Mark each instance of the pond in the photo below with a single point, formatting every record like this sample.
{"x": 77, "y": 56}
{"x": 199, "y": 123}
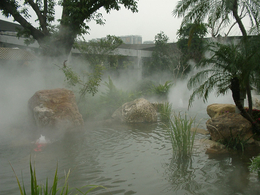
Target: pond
{"x": 126, "y": 159}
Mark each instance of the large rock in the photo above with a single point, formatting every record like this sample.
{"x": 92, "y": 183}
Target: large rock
{"x": 229, "y": 125}
{"x": 55, "y": 109}
{"x": 215, "y": 110}
{"x": 137, "y": 111}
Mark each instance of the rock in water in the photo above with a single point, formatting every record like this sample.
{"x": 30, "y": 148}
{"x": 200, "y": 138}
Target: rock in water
{"x": 215, "y": 110}
{"x": 55, "y": 109}
{"x": 229, "y": 125}
{"x": 137, "y": 111}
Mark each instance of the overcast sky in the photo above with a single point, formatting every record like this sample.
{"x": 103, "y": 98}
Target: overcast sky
{"x": 153, "y": 17}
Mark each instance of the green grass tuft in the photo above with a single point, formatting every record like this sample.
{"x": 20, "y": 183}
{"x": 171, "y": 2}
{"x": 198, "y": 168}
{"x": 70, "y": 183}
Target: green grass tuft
{"x": 182, "y": 138}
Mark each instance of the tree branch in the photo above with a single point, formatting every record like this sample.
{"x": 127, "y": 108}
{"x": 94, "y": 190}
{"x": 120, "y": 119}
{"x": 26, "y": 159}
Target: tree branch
{"x": 42, "y": 18}
{"x": 9, "y": 8}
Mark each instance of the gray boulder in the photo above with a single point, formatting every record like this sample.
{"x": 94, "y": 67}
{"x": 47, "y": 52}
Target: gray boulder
{"x": 137, "y": 111}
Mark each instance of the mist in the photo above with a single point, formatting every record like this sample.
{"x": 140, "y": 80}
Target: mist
{"x": 19, "y": 82}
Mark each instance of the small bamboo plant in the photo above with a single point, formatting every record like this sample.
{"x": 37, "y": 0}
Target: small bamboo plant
{"x": 182, "y": 138}
{"x": 37, "y": 189}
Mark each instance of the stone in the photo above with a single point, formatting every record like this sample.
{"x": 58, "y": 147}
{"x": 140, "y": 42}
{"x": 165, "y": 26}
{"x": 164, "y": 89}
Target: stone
{"x": 215, "y": 110}
{"x": 137, "y": 111}
{"x": 55, "y": 109}
{"x": 229, "y": 125}
{"x": 199, "y": 130}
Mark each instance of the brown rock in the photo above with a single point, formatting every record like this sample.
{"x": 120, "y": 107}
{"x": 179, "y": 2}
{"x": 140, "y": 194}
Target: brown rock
{"x": 215, "y": 110}
{"x": 199, "y": 130}
{"x": 55, "y": 108}
{"x": 229, "y": 125}
{"x": 137, "y": 111}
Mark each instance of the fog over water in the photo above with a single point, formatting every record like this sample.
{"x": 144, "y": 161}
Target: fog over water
{"x": 127, "y": 159}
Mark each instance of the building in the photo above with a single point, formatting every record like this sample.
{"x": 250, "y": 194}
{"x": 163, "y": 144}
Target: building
{"x": 131, "y": 39}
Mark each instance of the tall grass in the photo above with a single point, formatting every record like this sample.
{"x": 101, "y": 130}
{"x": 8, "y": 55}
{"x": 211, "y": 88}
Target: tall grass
{"x": 165, "y": 111}
{"x": 37, "y": 189}
{"x": 182, "y": 139}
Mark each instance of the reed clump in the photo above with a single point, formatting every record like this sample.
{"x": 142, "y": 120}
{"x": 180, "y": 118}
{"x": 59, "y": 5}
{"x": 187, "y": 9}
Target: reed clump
{"x": 37, "y": 189}
{"x": 182, "y": 138}
{"x": 165, "y": 111}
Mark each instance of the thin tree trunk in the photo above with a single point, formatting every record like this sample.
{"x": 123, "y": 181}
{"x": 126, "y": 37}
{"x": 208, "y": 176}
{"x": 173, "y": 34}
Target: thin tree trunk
{"x": 235, "y": 88}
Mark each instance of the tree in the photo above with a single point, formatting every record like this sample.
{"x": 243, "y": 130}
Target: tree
{"x": 229, "y": 69}
{"x": 165, "y": 57}
{"x": 190, "y": 42}
{"x": 98, "y": 51}
{"x": 58, "y": 40}
{"x": 217, "y": 12}
{"x": 226, "y": 11}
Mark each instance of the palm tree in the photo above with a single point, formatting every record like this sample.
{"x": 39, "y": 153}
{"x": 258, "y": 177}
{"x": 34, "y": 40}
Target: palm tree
{"x": 232, "y": 66}
{"x": 228, "y": 68}
{"x": 220, "y": 12}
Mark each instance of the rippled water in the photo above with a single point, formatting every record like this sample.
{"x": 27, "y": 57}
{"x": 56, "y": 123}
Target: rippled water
{"x": 126, "y": 159}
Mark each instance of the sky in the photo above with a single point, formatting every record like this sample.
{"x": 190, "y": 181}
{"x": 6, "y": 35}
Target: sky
{"x": 153, "y": 17}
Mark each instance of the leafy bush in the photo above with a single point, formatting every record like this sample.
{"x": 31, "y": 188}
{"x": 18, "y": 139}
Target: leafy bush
{"x": 161, "y": 91}
{"x": 182, "y": 138}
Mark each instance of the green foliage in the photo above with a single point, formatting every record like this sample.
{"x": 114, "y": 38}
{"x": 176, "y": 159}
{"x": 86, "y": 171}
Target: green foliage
{"x": 165, "y": 57}
{"x": 235, "y": 142}
{"x": 90, "y": 86}
{"x": 190, "y": 43}
{"x": 37, "y": 189}
{"x": 144, "y": 86}
{"x": 165, "y": 111}
{"x": 255, "y": 165}
{"x": 219, "y": 14}
{"x": 161, "y": 90}
{"x": 182, "y": 138}
{"x": 58, "y": 39}
{"x": 113, "y": 98}
{"x": 227, "y": 61}
{"x": 98, "y": 51}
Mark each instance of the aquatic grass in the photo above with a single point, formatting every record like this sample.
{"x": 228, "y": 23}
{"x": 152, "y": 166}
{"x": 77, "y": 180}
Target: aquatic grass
{"x": 255, "y": 165}
{"x": 165, "y": 111}
{"x": 182, "y": 138}
{"x": 37, "y": 189}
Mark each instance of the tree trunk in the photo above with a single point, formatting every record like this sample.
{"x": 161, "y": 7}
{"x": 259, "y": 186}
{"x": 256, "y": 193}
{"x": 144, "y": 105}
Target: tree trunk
{"x": 58, "y": 45}
{"x": 235, "y": 88}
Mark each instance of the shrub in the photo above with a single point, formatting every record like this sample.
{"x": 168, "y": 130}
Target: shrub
{"x": 161, "y": 91}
